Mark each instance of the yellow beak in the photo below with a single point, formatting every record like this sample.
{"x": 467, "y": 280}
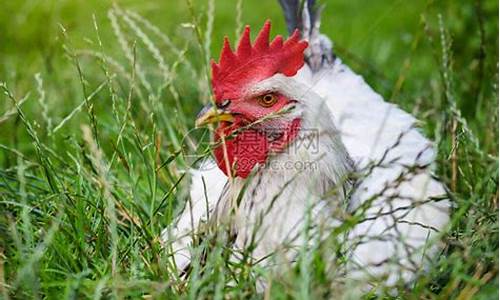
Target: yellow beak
{"x": 210, "y": 115}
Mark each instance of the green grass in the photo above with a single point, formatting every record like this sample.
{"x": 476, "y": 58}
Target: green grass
{"x": 96, "y": 105}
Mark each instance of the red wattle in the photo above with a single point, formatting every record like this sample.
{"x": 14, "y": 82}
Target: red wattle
{"x": 244, "y": 151}
{"x": 249, "y": 147}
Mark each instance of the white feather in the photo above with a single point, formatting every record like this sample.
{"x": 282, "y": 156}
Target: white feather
{"x": 370, "y": 130}
{"x": 353, "y": 121}
{"x": 207, "y": 183}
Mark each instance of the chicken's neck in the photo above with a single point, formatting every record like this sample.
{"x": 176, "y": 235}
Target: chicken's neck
{"x": 311, "y": 173}
{"x": 309, "y": 177}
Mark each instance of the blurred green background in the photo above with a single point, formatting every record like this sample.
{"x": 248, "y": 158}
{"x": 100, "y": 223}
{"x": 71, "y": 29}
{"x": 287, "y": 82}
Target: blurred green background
{"x": 374, "y": 37}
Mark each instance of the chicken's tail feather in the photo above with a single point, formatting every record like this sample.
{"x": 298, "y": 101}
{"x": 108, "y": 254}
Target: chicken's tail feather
{"x": 292, "y": 9}
{"x": 305, "y": 16}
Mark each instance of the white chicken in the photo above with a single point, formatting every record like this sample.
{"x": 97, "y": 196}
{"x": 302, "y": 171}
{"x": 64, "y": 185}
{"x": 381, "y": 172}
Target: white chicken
{"x": 304, "y": 144}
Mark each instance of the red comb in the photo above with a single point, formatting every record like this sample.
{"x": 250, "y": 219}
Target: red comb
{"x": 250, "y": 64}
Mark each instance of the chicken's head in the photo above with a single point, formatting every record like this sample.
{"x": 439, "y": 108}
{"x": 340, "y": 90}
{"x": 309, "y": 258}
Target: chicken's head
{"x": 253, "y": 113}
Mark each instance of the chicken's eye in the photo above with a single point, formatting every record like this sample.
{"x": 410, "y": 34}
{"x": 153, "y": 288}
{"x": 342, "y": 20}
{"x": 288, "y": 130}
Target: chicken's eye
{"x": 268, "y": 100}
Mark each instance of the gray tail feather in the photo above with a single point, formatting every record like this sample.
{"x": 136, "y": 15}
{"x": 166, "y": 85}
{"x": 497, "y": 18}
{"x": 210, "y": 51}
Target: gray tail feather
{"x": 305, "y": 16}
{"x": 292, "y": 10}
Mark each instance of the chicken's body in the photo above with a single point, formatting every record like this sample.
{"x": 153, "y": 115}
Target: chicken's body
{"x": 354, "y": 155}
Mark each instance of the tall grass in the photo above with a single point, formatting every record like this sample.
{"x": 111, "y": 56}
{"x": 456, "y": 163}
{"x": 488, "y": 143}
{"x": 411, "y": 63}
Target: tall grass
{"x": 94, "y": 156}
